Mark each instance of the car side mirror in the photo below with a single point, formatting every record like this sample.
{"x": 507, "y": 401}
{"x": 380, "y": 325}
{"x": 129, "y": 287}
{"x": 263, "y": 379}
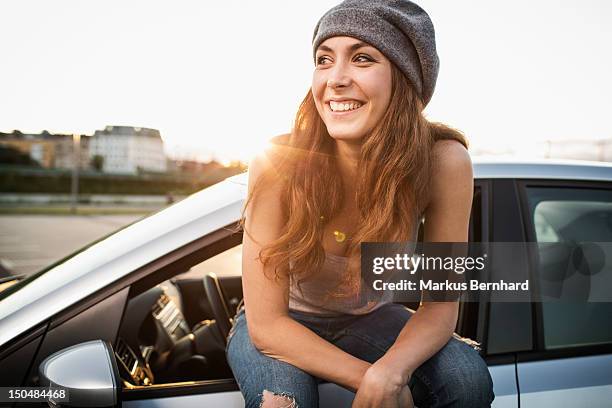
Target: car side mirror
{"x": 88, "y": 371}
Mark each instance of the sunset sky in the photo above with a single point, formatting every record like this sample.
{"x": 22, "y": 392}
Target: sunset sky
{"x": 220, "y": 78}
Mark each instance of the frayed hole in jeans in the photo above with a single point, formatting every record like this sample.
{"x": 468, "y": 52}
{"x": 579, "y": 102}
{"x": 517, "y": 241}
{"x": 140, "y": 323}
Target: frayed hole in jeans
{"x": 277, "y": 400}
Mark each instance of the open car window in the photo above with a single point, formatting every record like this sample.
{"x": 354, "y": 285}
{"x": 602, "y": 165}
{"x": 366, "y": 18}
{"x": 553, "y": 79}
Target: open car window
{"x": 226, "y": 263}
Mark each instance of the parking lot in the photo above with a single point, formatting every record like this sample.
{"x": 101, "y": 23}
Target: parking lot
{"x": 31, "y": 242}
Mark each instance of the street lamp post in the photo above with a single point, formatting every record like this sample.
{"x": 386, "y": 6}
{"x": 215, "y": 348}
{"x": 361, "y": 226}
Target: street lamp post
{"x": 76, "y": 161}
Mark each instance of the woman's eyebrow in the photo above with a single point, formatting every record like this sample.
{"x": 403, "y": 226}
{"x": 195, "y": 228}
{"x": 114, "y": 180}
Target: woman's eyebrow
{"x": 352, "y": 48}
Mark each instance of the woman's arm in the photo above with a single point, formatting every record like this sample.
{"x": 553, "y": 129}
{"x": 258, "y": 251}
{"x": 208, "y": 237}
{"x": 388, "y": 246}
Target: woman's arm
{"x": 272, "y": 330}
{"x": 446, "y": 220}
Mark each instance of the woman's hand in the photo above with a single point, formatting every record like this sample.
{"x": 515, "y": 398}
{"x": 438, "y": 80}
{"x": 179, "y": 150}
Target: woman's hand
{"x": 382, "y": 388}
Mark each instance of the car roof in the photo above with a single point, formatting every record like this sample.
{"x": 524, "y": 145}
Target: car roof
{"x": 198, "y": 215}
{"x": 495, "y": 167}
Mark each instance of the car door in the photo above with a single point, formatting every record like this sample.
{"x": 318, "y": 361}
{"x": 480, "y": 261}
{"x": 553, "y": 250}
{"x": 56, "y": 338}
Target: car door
{"x": 570, "y": 363}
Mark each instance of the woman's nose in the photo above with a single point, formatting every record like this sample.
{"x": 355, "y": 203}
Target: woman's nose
{"x": 338, "y": 77}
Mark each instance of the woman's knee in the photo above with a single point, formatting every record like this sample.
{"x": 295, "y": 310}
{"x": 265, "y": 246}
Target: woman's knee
{"x": 457, "y": 376}
{"x": 278, "y": 385}
{"x": 472, "y": 386}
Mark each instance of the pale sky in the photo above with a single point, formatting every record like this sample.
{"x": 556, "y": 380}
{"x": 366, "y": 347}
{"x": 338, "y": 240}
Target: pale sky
{"x": 223, "y": 77}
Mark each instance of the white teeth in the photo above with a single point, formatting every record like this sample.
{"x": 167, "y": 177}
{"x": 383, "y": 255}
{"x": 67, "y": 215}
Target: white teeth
{"x": 339, "y": 107}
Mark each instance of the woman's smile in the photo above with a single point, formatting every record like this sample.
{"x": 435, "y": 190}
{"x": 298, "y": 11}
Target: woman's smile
{"x": 344, "y": 108}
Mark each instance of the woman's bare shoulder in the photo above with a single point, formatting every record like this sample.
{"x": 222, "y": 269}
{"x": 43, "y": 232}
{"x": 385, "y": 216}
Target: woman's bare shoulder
{"x": 452, "y": 174}
{"x": 264, "y": 211}
{"x": 450, "y": 156}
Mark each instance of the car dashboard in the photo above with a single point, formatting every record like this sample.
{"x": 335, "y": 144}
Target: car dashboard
{"x": 157, "y": 345}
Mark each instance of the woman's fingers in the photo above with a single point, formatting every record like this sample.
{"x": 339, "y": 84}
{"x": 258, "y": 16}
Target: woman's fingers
{"x": 378, "y": 400}
{"x": 405, "y": 398}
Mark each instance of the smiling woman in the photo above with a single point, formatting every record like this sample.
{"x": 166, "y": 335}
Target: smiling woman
{"x": 361, "y": 164}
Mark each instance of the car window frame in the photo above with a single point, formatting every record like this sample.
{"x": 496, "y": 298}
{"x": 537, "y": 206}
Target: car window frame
{"x": 539, "y": 352}
{"x": 503, "y": 192}
{"x": 479, "y": 232}
{"x": 485, "y": 236}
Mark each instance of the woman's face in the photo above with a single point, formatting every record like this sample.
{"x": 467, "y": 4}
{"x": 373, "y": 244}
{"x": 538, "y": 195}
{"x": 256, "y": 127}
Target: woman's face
{"x": 351, "y": 85}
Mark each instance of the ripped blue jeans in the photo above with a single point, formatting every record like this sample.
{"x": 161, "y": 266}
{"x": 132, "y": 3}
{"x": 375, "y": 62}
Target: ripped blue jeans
{"x": 456, "y": 376}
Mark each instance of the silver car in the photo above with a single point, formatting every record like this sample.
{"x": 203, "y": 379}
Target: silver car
{"x": 139, "y": 318}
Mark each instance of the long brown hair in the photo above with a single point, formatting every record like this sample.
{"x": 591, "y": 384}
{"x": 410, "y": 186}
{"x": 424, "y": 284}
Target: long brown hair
{"x": 393, "y": 176}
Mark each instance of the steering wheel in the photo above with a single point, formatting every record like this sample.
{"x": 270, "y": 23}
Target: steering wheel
{"x": 216, "y": 298}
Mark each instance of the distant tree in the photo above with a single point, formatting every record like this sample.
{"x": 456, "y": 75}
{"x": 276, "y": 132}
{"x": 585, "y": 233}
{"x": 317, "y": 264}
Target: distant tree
{"x": 97, "y": 162}
{"x": 10, "y": 155}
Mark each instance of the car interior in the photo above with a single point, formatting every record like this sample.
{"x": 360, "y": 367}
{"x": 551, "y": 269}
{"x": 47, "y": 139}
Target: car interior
{"x": 176, "y": 330}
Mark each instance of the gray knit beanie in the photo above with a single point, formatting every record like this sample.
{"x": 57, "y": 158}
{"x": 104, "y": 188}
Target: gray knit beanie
{"x": 399, "y": 29}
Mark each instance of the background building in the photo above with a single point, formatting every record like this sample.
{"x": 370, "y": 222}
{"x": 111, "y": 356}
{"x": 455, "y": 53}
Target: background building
{"x": 47, "y": 149}
{"x": 38, "y": 148}
{"x": 128, "y": 150}
{"x": 64, "y": 151}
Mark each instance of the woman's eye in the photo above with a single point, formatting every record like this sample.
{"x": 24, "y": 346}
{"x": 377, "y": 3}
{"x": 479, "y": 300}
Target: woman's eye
{"x": 363, "y": 58}
{"x": 322, "y": 59}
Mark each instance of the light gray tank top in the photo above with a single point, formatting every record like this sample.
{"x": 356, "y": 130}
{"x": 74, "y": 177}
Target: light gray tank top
{"x": 313, "y": 298}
